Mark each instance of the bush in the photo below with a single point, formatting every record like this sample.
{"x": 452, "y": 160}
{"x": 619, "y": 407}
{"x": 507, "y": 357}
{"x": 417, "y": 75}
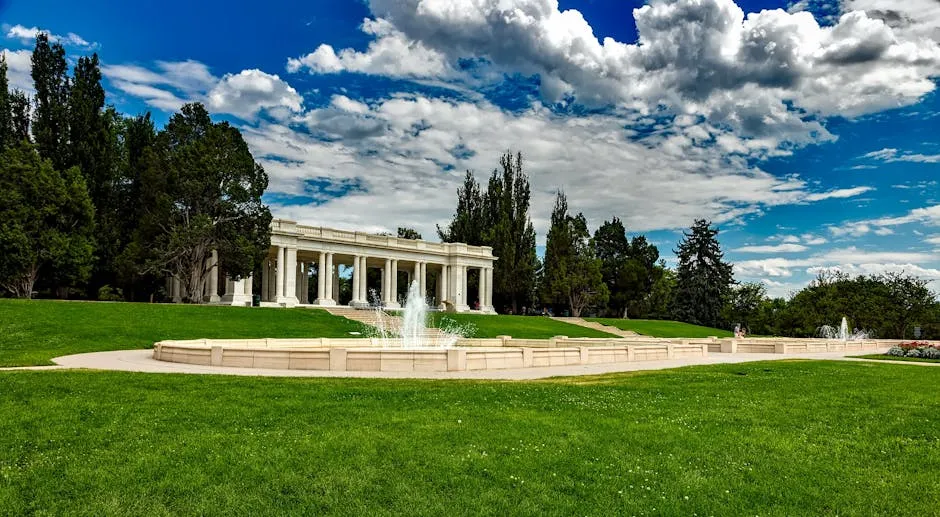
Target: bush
{"x": 108, "y": 294}
{"x": 914, "y": 352}
{"x": 931, "y": 353}
{"x": 896, "y": 351}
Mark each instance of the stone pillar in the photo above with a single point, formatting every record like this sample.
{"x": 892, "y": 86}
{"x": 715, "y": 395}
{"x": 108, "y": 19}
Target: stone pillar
{"x": 461, "y": 294}
{"x": 328, "y": 280}
{"x": 442, "y": 284}
{"x": 250, "y": 287}
{"x": 364, "y": 281}
{"x": 334, "y": 290}
{"x": 394, "y": 291}
{"x": 321, "y": 279}
{"x": 290, "y": 278}
{"x": 279, "y": 286}
{"x": 214, "y": 278}
{"x": 481, "y": 289}
{"x": 489, "y": 289}
{"x": 301, "y": 283}
{"x": 355, "y": 281}
{"x": 265, "y": 280}
{"x": 236, "y": 293}
{"x": 387, "y": 282}
{"x": 176, "y": 290}
{"x": 423, "y": 280}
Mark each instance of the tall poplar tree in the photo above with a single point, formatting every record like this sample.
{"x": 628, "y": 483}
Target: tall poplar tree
{"x": 467, "y": 224}
{"x": 703, "y": 278}
{"x": 6, "y": 110}
{"x": 19, "y": 116}
{"x": 50, "y": 116}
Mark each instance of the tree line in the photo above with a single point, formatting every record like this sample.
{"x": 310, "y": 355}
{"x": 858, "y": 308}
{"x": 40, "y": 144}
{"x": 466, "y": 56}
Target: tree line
{"x": 608, "y": 273}
{"x": 94, "y": 204}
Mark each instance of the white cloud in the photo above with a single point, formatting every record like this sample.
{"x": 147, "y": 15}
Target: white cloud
{"x": 839, "y": 193}
{"x": 933, "y": 239}
{"x": 779, "y": 248}
{"x": 246, "y": 93}
{"x": 171, "y": 84}
{"x": 27, "y": 35}
{"x": 702, "y": 57}
{"x": 19, "y": 67}
{"x": 912, "y": 18}
{"x": 929, "y": 216}
{"x": 889, "y": 155}
{"x": 850, "y": 260}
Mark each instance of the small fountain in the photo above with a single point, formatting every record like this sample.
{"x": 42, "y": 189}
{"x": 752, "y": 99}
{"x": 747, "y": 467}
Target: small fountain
{"x": 413, "y": 331}
{"x": 842, "y": 333}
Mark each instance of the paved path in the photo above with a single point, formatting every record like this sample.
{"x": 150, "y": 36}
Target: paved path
{"x": 581, "y": 322}
{"x": 142, "y": 361}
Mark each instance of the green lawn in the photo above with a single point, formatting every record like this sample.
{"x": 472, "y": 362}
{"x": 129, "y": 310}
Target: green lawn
{"x": 526, "y": 327}
{"x": 32, "y": 332}
{"x": 772, "y": 438}
{"x": 886, "y": 357}
{"x": 663, "y": 328}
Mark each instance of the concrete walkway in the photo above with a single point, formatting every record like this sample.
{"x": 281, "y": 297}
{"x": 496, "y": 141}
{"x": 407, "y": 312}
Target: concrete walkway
{"x": 142, "y": 361}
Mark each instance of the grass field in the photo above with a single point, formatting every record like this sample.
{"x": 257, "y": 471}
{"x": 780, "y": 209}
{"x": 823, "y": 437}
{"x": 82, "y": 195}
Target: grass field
{"x": 886, "y": 357}
{"x": 529, "y": 327}
{"x": 33, "y": 332}
{"x": 780, "y": 438}
{"x": 663, "y": 328}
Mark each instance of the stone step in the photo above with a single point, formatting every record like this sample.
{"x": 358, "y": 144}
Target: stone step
{"x": 596, "y": 326}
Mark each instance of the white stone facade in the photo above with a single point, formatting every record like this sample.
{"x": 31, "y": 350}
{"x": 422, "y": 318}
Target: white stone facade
{"x": 296, "y": 248}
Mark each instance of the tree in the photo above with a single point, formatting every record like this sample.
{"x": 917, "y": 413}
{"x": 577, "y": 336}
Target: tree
{"x": 408, "y": 233}
{"x": 509, "y": 231}
{"x": 6, "y": 110}
{"x": 50, "y": 123}
{"x": 572, "y": 272}
{"x": 89, "y": 133}
{"x": 910, "y": 302}
{"x": 467, "y": 224}
{"x": 19, "y": 116}
{"x": 205, "y": 189}
{"x": 745, "y": 303}
{"x": 46, "y": 222}
{"x": 613, "y": 250}
{"x": 703, "y": 279}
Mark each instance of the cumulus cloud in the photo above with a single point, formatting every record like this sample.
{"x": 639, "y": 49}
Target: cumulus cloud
{"x": 838, "y": 193}
{"x": 170, "y": 84}
{"x": 850, "y": 260}
{"x": 27, "y": 35}
{"x": 772, "y": 73}
{"x": 408, "y": 154}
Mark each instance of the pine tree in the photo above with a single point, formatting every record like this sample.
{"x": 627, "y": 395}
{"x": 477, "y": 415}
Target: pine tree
{"x": 50, "y": 122}
{"x": 6, "y": 110}
{"x": 703, "y": 279}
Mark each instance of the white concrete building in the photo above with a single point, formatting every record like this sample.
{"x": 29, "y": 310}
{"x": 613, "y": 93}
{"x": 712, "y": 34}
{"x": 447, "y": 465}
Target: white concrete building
{"x": 441, "y": 269}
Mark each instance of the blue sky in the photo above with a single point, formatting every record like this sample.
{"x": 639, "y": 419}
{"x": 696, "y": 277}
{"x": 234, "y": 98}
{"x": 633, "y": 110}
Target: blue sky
{"x": 807, "y": 130}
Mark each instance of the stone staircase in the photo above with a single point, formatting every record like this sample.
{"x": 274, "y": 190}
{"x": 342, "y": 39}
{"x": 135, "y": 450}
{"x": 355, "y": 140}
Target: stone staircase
{"x": 597, "y": 326}
{"x": 371, "y": 317}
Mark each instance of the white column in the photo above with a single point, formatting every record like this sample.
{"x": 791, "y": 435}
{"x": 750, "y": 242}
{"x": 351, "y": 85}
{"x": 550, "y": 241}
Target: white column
{"x": 489, "y": 289}
{"x": 386, "y": 281}
{"x": 335, "y": 290}
{"x": 481, "y": 289}
{"x": 290, "y": 277}
{"x": 423, "y": 280}
{"x": 321, "y": 279}
{"x": 461, "y": 293}
{"x": 443, "y": 283}
{"x": 364, "y": 280}
{"x": 417, "y": 275}
{"x": 250, "y": 287}
{"x": 279, "y": 286}
{"x": 394, "y": 291}
{"x": 214, "y": 278}
{"x": 328, "y": 279}
{"x": 355, "y": 280}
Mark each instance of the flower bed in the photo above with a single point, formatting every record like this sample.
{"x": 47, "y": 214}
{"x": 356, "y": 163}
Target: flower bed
{"x": 916, "y": 350}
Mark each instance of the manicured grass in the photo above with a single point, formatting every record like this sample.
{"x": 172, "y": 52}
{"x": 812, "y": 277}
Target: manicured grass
{"x": 886, "y": 357}
{"x": 663, "y": 328}
{"x": 523, "y": 327}
{"x": 32, "y": 332}
{"x": 773, "y": 438}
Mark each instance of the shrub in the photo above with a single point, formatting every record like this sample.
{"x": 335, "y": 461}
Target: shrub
{"x": 914, "y": 352}
{"x": 109, "y": 294}
{"x": 896, "y": 351}
{"x": 931, "y": 353}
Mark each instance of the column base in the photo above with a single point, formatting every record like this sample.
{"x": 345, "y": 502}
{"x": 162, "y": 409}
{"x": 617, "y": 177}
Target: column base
{"x": 287, "y": 301}
{"x": 488, "y": 310}
{"x": 461, "y": 308}
{"x": 358, "y": 304}
{"x": 325, "y": 302}
{"x": 393, "y": 305}
{"x": 236, "y": 300}
{"x": 215, "y": 298}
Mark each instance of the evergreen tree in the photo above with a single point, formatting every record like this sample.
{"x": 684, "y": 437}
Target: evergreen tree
{"x": 572, "y": 272}
{"x": 89, "y": 135}
{"x": 204, "y": 193}
{"x": 50, "y": 122}
{"x": 6, "y": 110}
{"x": 509, "y": 231}
{"x": 613, "y": 250}
{"x": 703, "y": 279}
{"x": 19, "y": 116}
{"x": 467, "y": 224}
{"x": 46, "y": 222}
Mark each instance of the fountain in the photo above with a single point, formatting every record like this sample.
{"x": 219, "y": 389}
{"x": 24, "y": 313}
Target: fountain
{"x": 842, "y": 333}
{"x": 413, "y": 332}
